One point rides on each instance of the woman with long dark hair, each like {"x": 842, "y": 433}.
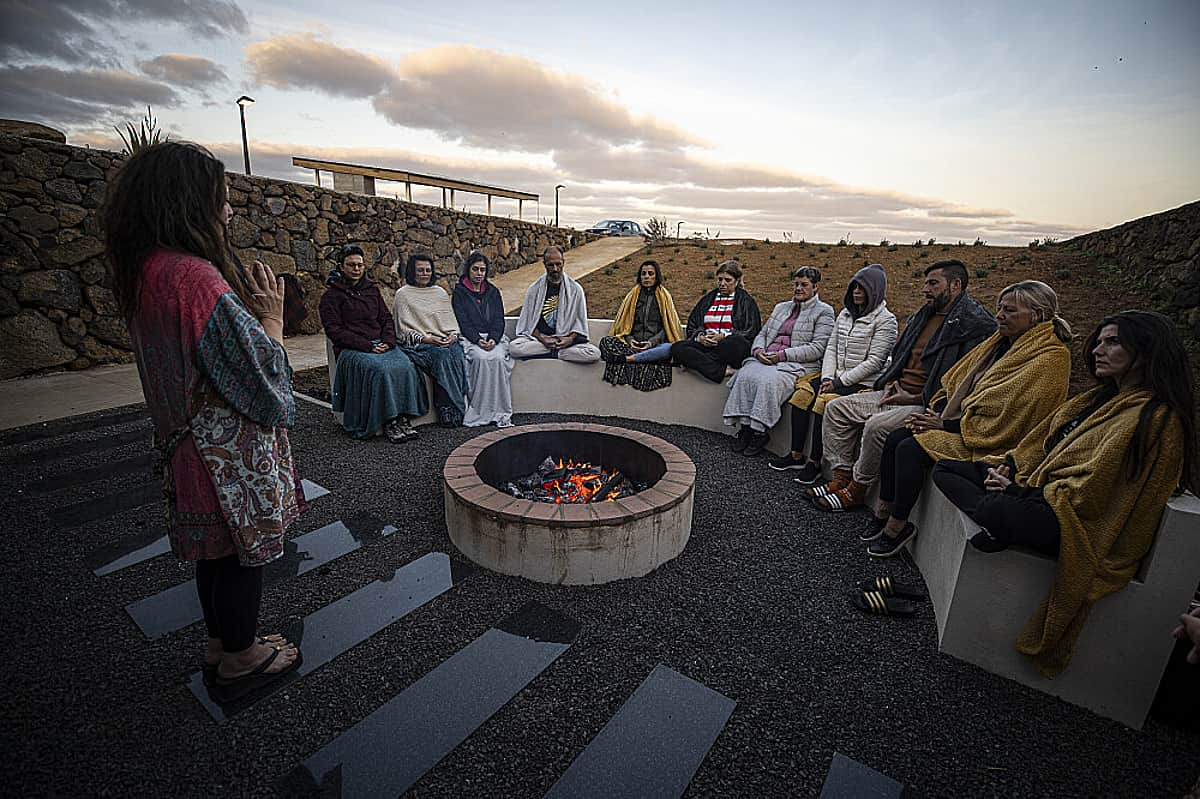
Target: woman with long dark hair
{"x": 637, "y": 351}
{"x": 479, "y": 309}
{"x": 1089, "y": 483}
{"x": 207, "y": 339}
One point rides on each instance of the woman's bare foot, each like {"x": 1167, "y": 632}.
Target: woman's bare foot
{"x": 229, "y": 664}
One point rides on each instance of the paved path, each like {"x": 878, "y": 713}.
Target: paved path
{"x": 26, "y": 401}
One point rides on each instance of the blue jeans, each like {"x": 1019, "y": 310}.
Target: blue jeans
{"x": 659, "y": 353}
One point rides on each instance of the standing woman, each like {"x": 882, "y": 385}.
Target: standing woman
{"x": 720, "y": 327}
{"x": 375, "y": 385}
{"x": 479, "y": 309}
{"x": 638, "y": 348}
{"x": 428, "y": 329}
{"x": 207, "y": 340}
{"x": 1089, "y": 484}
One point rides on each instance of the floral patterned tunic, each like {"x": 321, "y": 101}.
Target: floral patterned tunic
{"x": 219, "y": 391}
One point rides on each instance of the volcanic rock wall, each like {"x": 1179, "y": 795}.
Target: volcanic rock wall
{"x": 1161, "y": 253}
{"x": 57, "y": 309}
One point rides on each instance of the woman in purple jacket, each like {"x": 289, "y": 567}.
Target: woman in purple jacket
{"x": 375, "y": 385}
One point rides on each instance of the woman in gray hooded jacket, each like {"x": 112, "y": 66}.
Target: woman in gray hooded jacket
{"x": 862, "y": 338}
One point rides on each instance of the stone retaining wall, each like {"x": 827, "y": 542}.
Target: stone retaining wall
{"x": 1161, "y": 253}
{"x": 56, "y": 307}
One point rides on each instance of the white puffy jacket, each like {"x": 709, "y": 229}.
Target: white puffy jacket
{"x": 859, "y": 348}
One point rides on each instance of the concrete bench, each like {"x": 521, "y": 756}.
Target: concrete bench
{"x": 982, "y": 601}
{"x": 547, "y": 385}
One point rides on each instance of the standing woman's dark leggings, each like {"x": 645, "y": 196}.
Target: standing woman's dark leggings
{"x": 230, "y": 594}
{"x": 1016, "y": 515}
{"x": 902, "y": 472}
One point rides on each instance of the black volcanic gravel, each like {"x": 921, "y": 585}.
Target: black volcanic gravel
{"x": 755, "y": 608}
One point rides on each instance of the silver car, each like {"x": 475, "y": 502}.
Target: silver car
{"x": 616, "y": 227}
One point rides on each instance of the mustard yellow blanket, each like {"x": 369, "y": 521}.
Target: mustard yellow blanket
{"x": 1009, "y": 399}
{"x": 623, "y": 323}
{"x": 1107, "y": 521}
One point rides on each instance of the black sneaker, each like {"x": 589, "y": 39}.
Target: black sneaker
{"x": 741, "y": 439}
{"x": 787, "y": 462}
{"x": 872, "y": 531}
{"x": 886, "y": 546}
{"x": 394, "y": 431}
{"x": 984, "y": 542}
{"x": 809, "y": 474}
{"x": 757, "y": 443}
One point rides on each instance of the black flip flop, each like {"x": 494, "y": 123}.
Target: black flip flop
{"x": 877, "y": 604}
{"x": 208, "y": 671}
{"x": 890, "y": 586}
{"x": 231, "y": 689}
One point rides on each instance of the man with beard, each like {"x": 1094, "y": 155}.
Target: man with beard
{"x": 946, "y": 328}
{"x": 553, "y": 321}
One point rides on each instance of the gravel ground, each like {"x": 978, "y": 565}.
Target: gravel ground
{"x": 755, "y": 608}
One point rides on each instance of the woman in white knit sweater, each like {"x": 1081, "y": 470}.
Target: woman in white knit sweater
{"x": 863, "y": 336}
{"x": 427, "y": 330}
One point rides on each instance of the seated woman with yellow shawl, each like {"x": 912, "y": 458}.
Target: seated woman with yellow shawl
{"x": 1089, "y": 484}
{"x": 988, "y": 401}
{"x": 1091, "y": 481}
{"x": 638, "y": 348}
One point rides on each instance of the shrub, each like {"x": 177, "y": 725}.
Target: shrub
{"x": 1033, "y": 245}
{"x": 924, "y": 253}
{"x": 822, "y": 248}
{"x": 856, "y": 254}
{"x": 703, "y": 245}
{"x": 1063, "y": 274}
{"x": 710, "y": 275}
{"x": 884, "y": 243}
{"x": 709, "y": 257}
{"x": 916, "y": 272}
{"x": 961, "y": 243}
{"x": 144, "y": 135}
{"x": 657, "y": 229}
{"x": 771, "y": 257}
{"x": 979, "y": 243}
{"x": 981, "y": 272}
{"x": 907, "y": 262}
{"x": 892, "y": 248}
{"x": 919, "y": 243}
{"x": 931, "y": 241}
{"x": 945, "y": 248}
{"x": 842, "y": 242}
{"x": 676, "y": 250}
{"x": 752, "y": 247}
{"x": 684, "y": 262}
{"x": 803, "y": 243}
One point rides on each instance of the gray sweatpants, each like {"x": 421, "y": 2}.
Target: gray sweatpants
{"x": 856, "y": 420}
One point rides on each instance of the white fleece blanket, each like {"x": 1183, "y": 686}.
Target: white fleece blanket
{"x": 572, "y": 308}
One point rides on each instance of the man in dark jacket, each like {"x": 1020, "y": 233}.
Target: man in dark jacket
{"x": 945, "y": 329}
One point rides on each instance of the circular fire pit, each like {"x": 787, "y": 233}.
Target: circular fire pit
{"x": 572, "y": 544}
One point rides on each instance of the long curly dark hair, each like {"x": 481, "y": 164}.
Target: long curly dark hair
{"x": 1162, "y": 367}
{"x": 166, "y": 196}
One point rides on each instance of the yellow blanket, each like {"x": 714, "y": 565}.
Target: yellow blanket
{"x": 1009, "y": 399}
{"x": 1107, "y": 521}
{"x": 623, "y": 323}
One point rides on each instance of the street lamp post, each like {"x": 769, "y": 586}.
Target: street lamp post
{"x": 242, "y": 102}
{"x": 556, "y": 188}
{"x": 678, "y": 225}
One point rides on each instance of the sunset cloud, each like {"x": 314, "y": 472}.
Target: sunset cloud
{"x": 302, "y": 61}
{"x": 49, "y": 94}
{"x": 190, "y": 71}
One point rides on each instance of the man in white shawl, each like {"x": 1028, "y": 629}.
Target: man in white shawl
{"x": 553, "y": 320}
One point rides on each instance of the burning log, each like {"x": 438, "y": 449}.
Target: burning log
{"x": 565, "y": 481}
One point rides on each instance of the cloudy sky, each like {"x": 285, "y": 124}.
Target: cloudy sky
{"x": 999, "y": 120}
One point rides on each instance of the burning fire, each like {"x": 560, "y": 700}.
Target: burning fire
{"x": 581, "y": 482}
{"x": 566, "y": 481}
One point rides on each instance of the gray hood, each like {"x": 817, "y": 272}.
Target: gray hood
{"x": 874, "y": 282}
